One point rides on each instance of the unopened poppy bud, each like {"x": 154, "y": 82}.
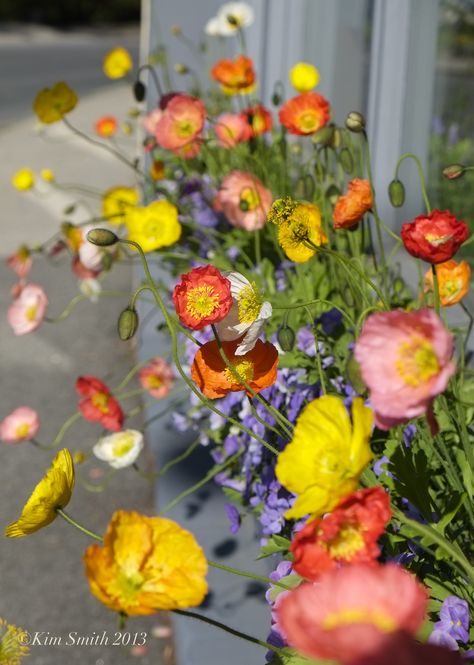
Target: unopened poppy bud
{"x": 453, "y": 171}
{"x": 176, "y": 30}
{"x": 102, "y": 237}
{"x": 139, "y": 91}
{"x": 346, "y": 161}
{"x": 355, "y": 122}
{"x": 336, "y": 138}
{"x": 355, "y": 376}
{"x": 179, "y": 68}
{"x": 127, "y": 323}
{"x": 396, "y": 193}
{"x": 286, "y": 338}
{"x": 323, "y": 136}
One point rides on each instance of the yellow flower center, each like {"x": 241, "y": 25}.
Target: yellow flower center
{"x": 348, "y": 616}
{"x": 437, "y": 240}
{"x": 22, "y": 430}
{"x": 348, "y": 541}
{"x": 249, "y": 303}
{"x": 249, "y": 199}
{"x": 308, "y": 121}
{"x": 30, "y": 312}
{"x": 101, "y": 400}
{"x": 129, "y": 583}
{"x": 122, "y": 445}
{"x": 417, "y": 361}
{"x": 185, "y": 128}
{"x": 201, "y": 301}
{"x": 244, "y": 369}
{"x": 451, "y": 287}
{"x": 154, "y": 381}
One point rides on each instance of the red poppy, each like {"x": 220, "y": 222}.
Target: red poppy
{"x": 258, "y": 368}
{"x": 436, "y": 237}
{"x": 347, "y": 535}
{"x": 98, "y": 405}
{"x": 259, "y": 118}
{"x": 305, "y": 114}
{"x": 202, "y": 297}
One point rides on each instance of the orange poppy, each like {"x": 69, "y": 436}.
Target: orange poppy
{"x": 350, "y": 208}
{"x": 453, "y": 280}
{"x": 106, "y": 126}
{"x": 234, "y": 75}
{"x": 305, "y": 114}
{"x": 258, "y": 368}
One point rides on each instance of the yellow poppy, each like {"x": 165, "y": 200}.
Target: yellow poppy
{"x": 23, "y": 180}
{"x": 51, "y": 104}
{"x": 117, "y": 63}
{"x": 117, "y": 202}
{"x": 154, "y": 226}
{"x": 304, "y": 76}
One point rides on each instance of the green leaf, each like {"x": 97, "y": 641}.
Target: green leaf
{"x": 290, "y": 657}
{"x": 274, "y": 545}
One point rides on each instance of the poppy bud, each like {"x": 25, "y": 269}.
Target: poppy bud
{"x": 453, "y": 171}
{"x": 127, "y": 323}
{"x": 139, "y": 91}
{"x": 323, "y": 136}
{"x": 176, "y": 30}
{"x": 355, "y": 122}
{"x": 286, "y": 337}
{"x": 346, "y": 160}
{"x": 179, "y": 68}
{"x": 336, "y": 138}
{"x": 396, "y": 193}
{"x": 102, "y": 237}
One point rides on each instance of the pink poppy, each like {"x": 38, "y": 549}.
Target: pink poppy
{"x": 22, "y": 424}
{"x": 27, "y": 311}
{"x": 181, "y": 124}
{"x": 402, "y": 649}
{"x": 157, "y": 377}
{"x": 244, "y": 200}
{"x": 405, "y": 360}
{"x": 150, "y": 121}
{"x": 232, "y": 128}
{"x": 350, "y": 612}
{"x": 21, "y": 262}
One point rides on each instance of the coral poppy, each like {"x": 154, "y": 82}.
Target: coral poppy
{"x": 52, "y": 104}
{"x": 258, "y": 368}
{"x": 304, "y": 76}
{"x": 146, "y": 564}
{"x": 23, "y": 180}
{"x": 405, "y": 360}
{"x": 98, "y": 405}
{"x": 106, "y": 126}
{"x": 453, "y": 280}
{"x": 247, "y": 316}
{"x": 346, "y": 535}
{"x": 305, "y": 114}
{"x": 21, "y": 261}
{"x": 52, "y": 492}
{"x": 180, "y": 126}
{"x": 350, "y": 209}
{"x": 117, "y": 202}
{"x": 349, "y": 613}
{"x": 153, "y": 226}
{"x": 435, "y": 238}
{"x": 117, "y": 63}
{"x": 235, "y": 76}
{"x": 258, "y": 118}
{"x": 303, "y": 226}
{"x": 202, "y": 297}
{"x": 150, "y": 121}
{"x": 328, "y": 452}
{"x": 156, "y": 377}
{"x": 232, "y": 128}
{"x": 28, "y": 309}
{"x": 244, "y": 200}
{"x": 22, "y": 424}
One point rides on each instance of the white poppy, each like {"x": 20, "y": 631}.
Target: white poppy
{"x": 234, "y": 15}
{"x": 120, "y": 449}
{"x": 212, "y": 27}
{"x": 91, "y": 288}
{"x": 247, "y": 315}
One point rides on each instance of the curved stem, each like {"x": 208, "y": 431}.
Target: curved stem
{"x": 317, "y": 301}
{"x": 69, "y": 519}
{"x": 318, "y": 355}
{"x": 70, "y": 307}
{"x": 64, "y": 428}
{"x": 410, "y": 155}
{"x": 154, "y": 76}
{"x": 252, "y": 576}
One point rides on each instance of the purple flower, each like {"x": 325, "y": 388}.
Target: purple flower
{"x": 443, "y": 639}
{"x": 330, "y": 320}
{"x": 380, "y": 466}
{"x": 234, "y": 517}
{"x": 233, "y": 253}
{"x": 408, "y": 435}
{"x": 454, "y": 619}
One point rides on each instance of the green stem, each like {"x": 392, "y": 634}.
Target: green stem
{"x": 69, "y": 519}
{"x": 79, "y": 298}
{"x": 378, "y": 221}
{"x": 318, "y": 301}
{"x": 252, "y": 576}
{"x": 318, "y": 355}
{"x": 228, "y": 629}
{"x": 410, "y": 155}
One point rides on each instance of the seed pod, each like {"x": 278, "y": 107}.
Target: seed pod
{"x": 346, "y": 160}
{"x": 396, "y": 193}
{"x": 355, "y": 122}
{"x": 286, "y": 338}
{"x": 454, "y": 171}
{"x": 127, "y": 323}
{"x": 102, "y": 237}
{"x": 139, "y": 91}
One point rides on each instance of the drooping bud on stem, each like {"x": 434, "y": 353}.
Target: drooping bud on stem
{"x": 127, "y": 324}
{"x": 102, "y": 237}
{"x": 355, "y": 122}
{"x": 453, "y": 171}
{"x": 286, "y": 337}
{"x": 139, "y": 91}
{"x": 396, "y": 193}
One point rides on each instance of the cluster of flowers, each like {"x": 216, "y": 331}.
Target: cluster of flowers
{"x": 307, "y": 360}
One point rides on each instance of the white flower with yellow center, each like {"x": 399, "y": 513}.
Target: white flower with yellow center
{"x": 120, "y": 449}
{"x": 247, "y": 315}
{"x": 231, "y": 17}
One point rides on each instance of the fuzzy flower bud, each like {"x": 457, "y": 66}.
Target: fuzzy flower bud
{"x": 396, "y": 193}
{"x": 355, "y": 122}
{"x": 102, "y": 237}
